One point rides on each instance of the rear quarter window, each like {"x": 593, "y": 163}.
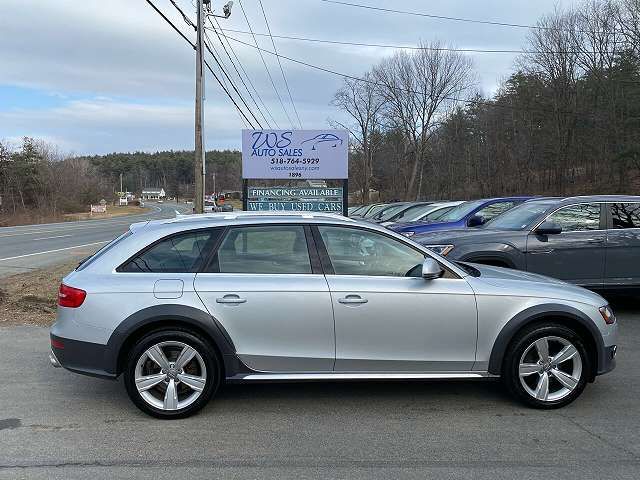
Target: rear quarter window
{"x": 181, "y": 253}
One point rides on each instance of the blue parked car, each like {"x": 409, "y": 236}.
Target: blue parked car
{"x": 469, "y": 214}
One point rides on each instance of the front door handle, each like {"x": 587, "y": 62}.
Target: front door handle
{"x": 352, "y": 300}
{"x": 231, "y": 299}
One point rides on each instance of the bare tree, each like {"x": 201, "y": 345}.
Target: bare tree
{"x": 361, "y": 101}
{"x": 556, "y": 63}
{"x": 629, "y": 20}
{"x": 417, "y": 87}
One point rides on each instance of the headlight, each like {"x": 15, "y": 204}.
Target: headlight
{"x": 440, "y": 249}
{"x": 408, "y": 234}
{"x": 607, "y": 314}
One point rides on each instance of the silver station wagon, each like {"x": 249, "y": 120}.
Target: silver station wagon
{"x": 181, "y": 306}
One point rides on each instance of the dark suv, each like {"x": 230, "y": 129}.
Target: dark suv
{"x": 591, "y": 241}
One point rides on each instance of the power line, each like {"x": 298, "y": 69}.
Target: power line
{"x": 265, "y": 63}
{"x": 441, "y": 17}
{"x": 214, "y": 53}
{"x": 284, "y": 77}
{"x": 400, "y": 47}
{"x": 238, "y": 72}
{"x": 166, "y": 19}
{"x": 233, "y": 85}
{"x": 414, "y": 92}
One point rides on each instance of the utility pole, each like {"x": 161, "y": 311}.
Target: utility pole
{"x": 199, "y": 163}
{"x": 203, "y": 10}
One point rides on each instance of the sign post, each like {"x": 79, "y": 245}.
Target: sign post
{"x": 295, "y": 155}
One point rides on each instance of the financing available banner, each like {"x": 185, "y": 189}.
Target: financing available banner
{"x": 295, "y": 154}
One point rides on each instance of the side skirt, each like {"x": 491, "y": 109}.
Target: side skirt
{"x": 330, "y": 377}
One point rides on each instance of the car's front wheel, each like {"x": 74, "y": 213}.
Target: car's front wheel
{"x": 171, "y": 374}
{"x": 547, "y": 366}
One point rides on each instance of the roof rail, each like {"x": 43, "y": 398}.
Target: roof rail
{"x": 243, "y": 214}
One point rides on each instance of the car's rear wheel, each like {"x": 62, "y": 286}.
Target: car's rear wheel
{"x": 547, "y": 366}
{"x": 171, "y": 374}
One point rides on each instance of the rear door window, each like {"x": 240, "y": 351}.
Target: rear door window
{"x": 183, "y": 253}
{"x": 274, "y": 249}
{"x": 625, "y": 215}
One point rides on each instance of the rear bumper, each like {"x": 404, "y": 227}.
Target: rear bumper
{"x": 81, "y": 357}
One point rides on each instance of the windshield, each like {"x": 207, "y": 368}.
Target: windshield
{"x": 85, "y": 262}
{"x": 518, "y": 218}
{"x": 436, "y": 214}
{"x": 387, "y": 213}
{"x": 408, "y": 214}
{"x": 461, "y": 211}
{"x": 375, "y": 209}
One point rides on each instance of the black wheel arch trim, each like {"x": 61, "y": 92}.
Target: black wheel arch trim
{"x": 539, "y": 312}
{"x": 172, "y": 315}
{"x": 490, "y": 257}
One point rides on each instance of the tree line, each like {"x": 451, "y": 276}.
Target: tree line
{"x": 566, "y": 121}
{"x": 37, "y": 181}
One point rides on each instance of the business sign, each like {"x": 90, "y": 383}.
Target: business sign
{"x": 294, "y": 199}
{"x": 278, "y": 193}
{"x": 98, "y": 209}
{"x": 295, "y": 206}
{"x": 295, "y": 154}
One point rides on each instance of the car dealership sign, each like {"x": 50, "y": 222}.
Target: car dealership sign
{"x": 295, "y": 154}
{"x": 296, "y": 199}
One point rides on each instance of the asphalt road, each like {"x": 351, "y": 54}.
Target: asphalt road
{"x": 55, "y": 424}
{"x": 36, "y": 246}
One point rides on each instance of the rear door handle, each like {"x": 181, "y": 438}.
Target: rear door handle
{"x": 231, "y": 299}
{"x": 352, "y": 300}
{"x": 595, "y": 242}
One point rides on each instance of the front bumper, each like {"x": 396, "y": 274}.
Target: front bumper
{"x": 81, "y": 357}
{"x": 607, "y": 359}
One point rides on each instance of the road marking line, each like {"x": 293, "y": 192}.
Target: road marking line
{"x": 57, "y": 236}
{"x": 53, "y": 251}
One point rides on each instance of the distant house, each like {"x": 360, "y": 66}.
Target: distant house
{"x": 153, "y": 194}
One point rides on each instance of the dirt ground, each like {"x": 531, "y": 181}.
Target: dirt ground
{"x": 31, "y": 298}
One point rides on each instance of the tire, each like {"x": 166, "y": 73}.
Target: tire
{"x": 562, "y": 381}
{"x": 171, "y": 374}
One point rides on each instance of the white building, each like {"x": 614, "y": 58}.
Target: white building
{"x": 153, "y": 194}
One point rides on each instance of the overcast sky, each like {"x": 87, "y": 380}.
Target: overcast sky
{"x": 97, "y": 76}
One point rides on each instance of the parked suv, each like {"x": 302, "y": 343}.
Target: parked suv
{"x": 590, "y": 241}
{"x": 181, "y": 306}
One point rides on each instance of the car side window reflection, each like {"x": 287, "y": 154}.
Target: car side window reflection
{"x": 577, "y": 218}
{"x": 491, "y": 211}
{"x": 360, "y": 252}
{"x": 176, "y": 254}
{"x": 625, "y": 215}
{"x": 278, "y": 249}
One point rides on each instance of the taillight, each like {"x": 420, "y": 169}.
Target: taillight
{"x": 70, "y": 297}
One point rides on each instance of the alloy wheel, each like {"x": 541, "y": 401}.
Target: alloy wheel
{"x": 170, "y": 375}
{"x": 550, "y": 368}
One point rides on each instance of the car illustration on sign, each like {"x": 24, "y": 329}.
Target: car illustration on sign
{"x": 323, "y": 138}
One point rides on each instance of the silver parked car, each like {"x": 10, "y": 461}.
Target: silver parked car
{"x": 181, "y": 306}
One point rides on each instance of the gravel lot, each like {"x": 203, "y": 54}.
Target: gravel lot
{"x": 55, "y": 424}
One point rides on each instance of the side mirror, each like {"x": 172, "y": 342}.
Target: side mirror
{"x": 431, "y": 269}
{"x": 548, "y": 228}
{"x": 476, "y": 221}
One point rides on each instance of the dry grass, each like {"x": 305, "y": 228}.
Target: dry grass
{"x": 111, "y": 212}
{"x": 31, "y": 298}
{"x": 35, "y": 217}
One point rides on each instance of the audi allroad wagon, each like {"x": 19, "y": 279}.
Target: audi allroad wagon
{"x": 181, "y": 306}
